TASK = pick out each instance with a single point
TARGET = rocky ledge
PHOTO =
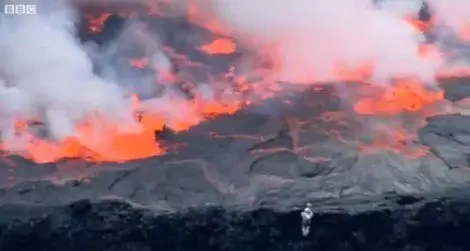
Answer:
(397, 223)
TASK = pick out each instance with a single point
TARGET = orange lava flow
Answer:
(98, 139)
(107, 144)
(219, 46)
(96, 22)
(139, 63)
(405, 96)
(422, 26)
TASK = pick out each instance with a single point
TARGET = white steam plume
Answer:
(314, 35)
(46, 75)
(454, 13)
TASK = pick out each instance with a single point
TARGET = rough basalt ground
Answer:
(239, 182)
(216, 193)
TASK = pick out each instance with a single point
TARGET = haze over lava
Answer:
(55, 104)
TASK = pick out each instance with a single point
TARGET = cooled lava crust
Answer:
(237, 183)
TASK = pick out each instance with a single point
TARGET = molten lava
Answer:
(96, 21)
(100, 140)
(423, 26)
(220, 46)
(405, 96)
(140, 63)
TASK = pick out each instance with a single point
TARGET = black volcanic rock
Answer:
(431, 224)
(112, 28)
(449, 138)
(456, 88)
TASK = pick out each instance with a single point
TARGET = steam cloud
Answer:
(454, 13)
(46, 75)
(313, 36)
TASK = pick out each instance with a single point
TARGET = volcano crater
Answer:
(241, 180)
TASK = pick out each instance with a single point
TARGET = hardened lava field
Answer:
(244, 137)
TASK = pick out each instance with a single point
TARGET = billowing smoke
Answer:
(314, 38)
(46, 76)
(454, 13)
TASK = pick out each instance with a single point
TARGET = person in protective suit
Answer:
(307, 215)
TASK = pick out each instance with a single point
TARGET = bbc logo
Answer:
(20, 9)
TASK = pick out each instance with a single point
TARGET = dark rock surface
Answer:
(455, 88)
(241, 182)
(394, 224)
(449, 138)
(309, 150)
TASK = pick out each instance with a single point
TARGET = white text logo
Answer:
(20, 9)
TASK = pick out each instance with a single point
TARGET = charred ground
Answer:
(239, 181)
